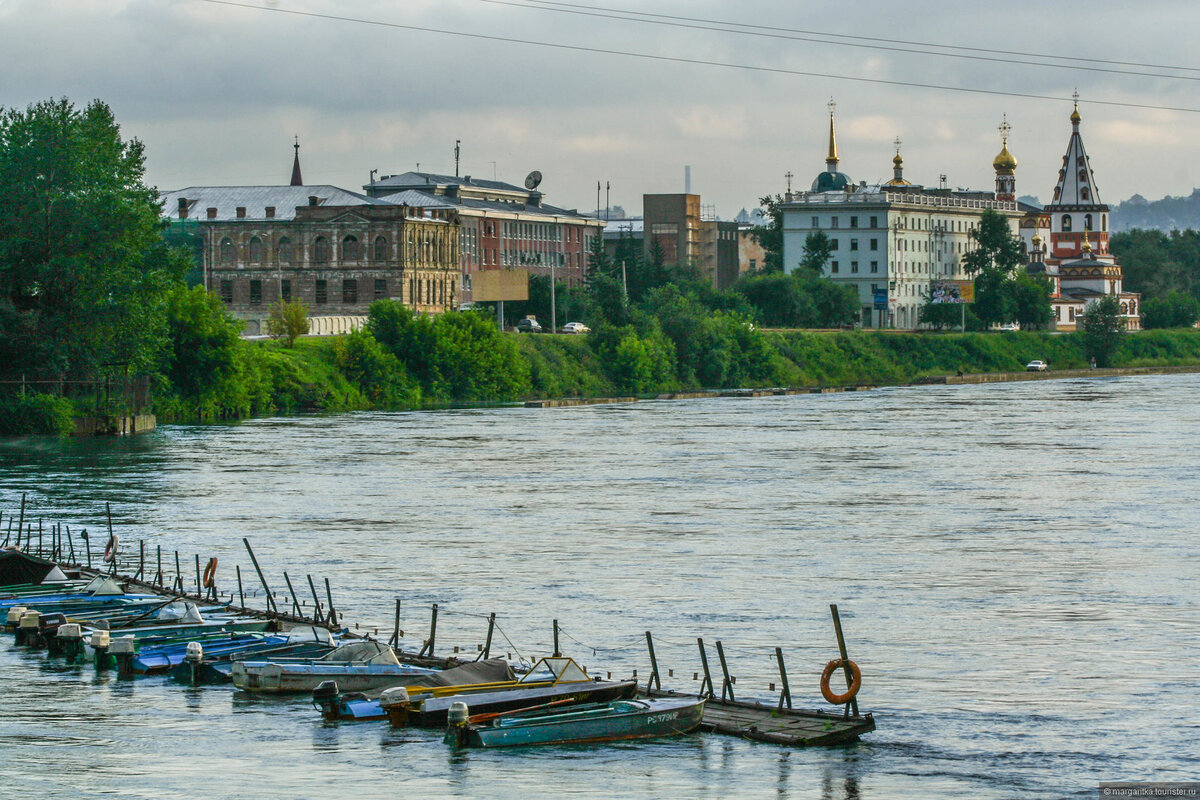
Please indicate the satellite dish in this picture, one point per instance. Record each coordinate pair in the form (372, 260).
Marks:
(532, 180)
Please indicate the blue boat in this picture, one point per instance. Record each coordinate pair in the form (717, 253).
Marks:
(361, 666)
(618, 720)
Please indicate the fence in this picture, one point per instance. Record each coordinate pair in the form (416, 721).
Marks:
(114, 395)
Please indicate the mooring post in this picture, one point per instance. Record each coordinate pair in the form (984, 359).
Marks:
(653, 679)
(707, 675)
(177, 586)
(199, 585)
(395, 640)
(141, 559)
(87, 543)
(241, 595)
(21, 519)
(487, 645)
(71, 544)
(316, 600)
(428, 646)
(557, 654)
(329, 597)
(8, 534)
(727, 684)
(270, 600)
(158, 576)
(40, 551)
(786, 694)
(837, 627)
(295, 602)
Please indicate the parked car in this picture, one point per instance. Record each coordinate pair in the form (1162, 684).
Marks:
(529, 325)
(1037, 366)
(576, 327)
(1012, 326)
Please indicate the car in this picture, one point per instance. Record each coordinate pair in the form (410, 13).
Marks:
(1012, 326)
(529, 325)
(1037, 366)
(576, 327)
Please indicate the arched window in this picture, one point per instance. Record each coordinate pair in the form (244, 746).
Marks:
(351, 250)
(226, 250)
(256, 250)
(380, 248)
(1085, 194)
(1104, 222)
(285, 250)
(1087, 221)
(1066, 223)
(321, 250)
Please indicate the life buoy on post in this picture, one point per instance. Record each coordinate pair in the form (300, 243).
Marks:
(110, 550)
(210, 573)
(855, 681)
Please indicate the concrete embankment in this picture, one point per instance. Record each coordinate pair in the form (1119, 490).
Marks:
(1001, 377)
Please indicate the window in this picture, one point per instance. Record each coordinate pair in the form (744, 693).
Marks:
(854, 266)
(753, 264)
(256, 250)
(226, 250)
(227, 290)
(321, 251)
(854, 222)
(853, 242)
(285, 250)
(874, 222)
(351, 251)
(833, 267)
(285, 290)
(322, 292)
(256, 293)
(816, 222)
(380, 248)
(833, 244)
(1087, 221)
(1085, 194)
(833, 222)
(380, 288)
(874, 266)
(1066, 223)
(874, 244)
(350, 291)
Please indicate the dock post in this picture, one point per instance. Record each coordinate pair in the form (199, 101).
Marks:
(158, 576)
(295, 601)
(786, 694)
(199, 585)
(557, 654)
(141, 559)
(177, 586)
(270, 600)
(41, 552)
(487, 645)
(241, 595)
(432, 633)
(837, 627)
(71, 544)
(87, 543)
(21, 519)
(727, 684)
(8, 535)
(707, 675)
(329, 597)
(654, 678)
(108, 515)
(316, 600)
(395, 640)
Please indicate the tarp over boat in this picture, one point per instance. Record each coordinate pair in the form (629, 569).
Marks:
(491, 670)
(369, 652)
(17, 568)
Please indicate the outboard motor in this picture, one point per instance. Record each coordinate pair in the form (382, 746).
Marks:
(47, 635)
(14, 618)
(456, 723)
(99, 643)
(394, 702)
(124, 651)
(325, 697)
(193, 657)
(70, 642)
(27, 627)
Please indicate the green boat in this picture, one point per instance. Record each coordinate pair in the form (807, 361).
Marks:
(618, 720)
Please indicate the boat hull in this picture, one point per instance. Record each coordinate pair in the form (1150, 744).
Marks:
(275, 678)
(432, 712)
(612, 722)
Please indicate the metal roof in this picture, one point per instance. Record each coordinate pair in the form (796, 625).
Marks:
(256, 199)
(413, 180)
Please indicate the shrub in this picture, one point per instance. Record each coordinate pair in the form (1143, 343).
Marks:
(33, 412)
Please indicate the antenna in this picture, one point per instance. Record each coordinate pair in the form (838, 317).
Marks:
(533, 180)
(789, 177)
(457, 142)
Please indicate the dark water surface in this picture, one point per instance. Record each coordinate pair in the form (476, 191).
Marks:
(1016, 567)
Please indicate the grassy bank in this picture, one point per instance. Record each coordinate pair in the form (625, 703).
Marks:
(313, 376)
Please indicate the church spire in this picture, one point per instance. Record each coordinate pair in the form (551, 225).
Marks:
(831, 160)
(296, 179)
(1076, 185)
(1005, 165)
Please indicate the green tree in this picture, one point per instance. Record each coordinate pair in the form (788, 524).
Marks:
(608, 299)
(1031, 301)
(1176, 310)
(1102, 329)
(941, 315)
(598, 261)
(202, 342)
(288, 320)
(993, 262)
(84, 270)
(770, 235)
(817, 249)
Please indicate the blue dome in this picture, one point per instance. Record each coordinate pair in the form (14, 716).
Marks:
(831, 182)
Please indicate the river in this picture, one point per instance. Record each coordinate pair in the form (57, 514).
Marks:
(1015, 564)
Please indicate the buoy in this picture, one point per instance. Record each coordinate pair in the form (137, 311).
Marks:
(110, 550)
(855, 681)
(210, 573)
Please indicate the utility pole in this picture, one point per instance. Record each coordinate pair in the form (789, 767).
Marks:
(457, 142)
(597, 197)
(607, 189)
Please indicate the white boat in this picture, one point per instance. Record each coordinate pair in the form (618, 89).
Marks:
(361, 666)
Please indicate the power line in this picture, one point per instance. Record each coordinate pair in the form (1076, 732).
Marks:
(815, 37)
(874, 38)
(691, 61)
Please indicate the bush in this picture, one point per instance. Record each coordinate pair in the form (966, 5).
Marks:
(287, 321)
(379, 374)
(33, 412)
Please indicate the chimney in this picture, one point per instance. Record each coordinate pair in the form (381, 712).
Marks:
(312, 199)
(270, 212)
(183, 205)
(535, 198)
(241, 212)
(687, 179)
(212, 213)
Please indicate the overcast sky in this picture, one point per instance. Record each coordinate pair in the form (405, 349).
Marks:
(217, 92)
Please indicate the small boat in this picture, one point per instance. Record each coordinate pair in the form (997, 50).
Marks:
(614, 721)
(338, 705)
(551, 679)
(201, 665)
(361, 666)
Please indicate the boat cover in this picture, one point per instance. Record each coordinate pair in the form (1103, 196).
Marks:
(56, 575)
(369, 651)
(17, 568)
(491, 670)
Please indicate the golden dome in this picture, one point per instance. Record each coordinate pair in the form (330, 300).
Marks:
(897, 160)
(1075, 118)
(1004, 160)
(1037, 240)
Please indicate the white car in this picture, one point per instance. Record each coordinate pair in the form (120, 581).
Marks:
(575, 327)
(1037, 366)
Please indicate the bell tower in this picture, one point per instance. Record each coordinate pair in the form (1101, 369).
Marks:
(1005, 165)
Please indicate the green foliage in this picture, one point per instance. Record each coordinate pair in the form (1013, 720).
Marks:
(801, 299)
(1102, 328)
(32, 412)
(287, 321)
(83, 267)
(942, 315)
(376, 371)
(634, 363)
(817, 249)
(608, 300)
(1176, 310)
(1031, 300)
(770, 236)
(1156, 263)
(202, 337)
(996, 249)
(1003, 292)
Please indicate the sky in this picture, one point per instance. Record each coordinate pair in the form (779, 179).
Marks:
(217, 91)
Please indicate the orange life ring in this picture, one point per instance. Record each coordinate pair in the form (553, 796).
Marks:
(210, 573)
(855, 681)
(110, 550)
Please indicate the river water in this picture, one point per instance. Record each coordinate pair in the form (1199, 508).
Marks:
(1016, 568)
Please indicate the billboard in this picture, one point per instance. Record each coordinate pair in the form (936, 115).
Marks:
(881, 299)
(491, 285)
(952, 291)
